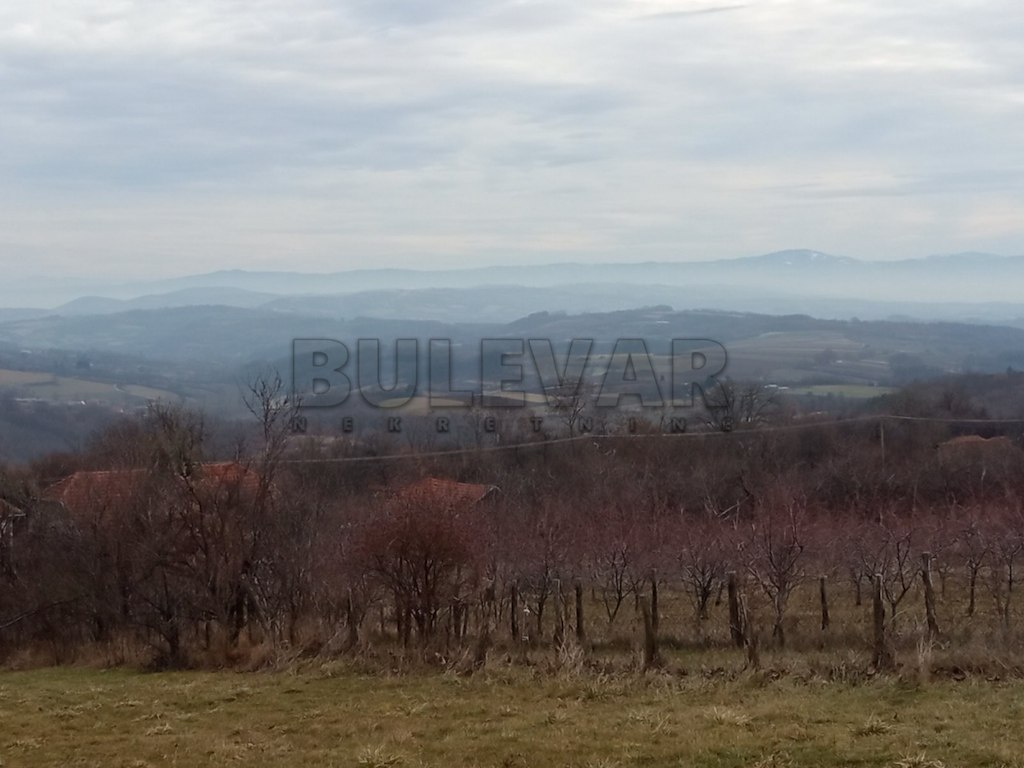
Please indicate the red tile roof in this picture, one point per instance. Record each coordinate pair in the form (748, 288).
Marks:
(977, 442)
(97, 492)
(447, 493)
(102, 491)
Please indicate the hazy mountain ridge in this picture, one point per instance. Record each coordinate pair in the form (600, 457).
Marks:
(185, 297)
(971, 277)
(505, 303)
(803, 272)
(215, 333)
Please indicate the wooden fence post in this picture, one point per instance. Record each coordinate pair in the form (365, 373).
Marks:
(882, 658)
(350, 620)
(651, 657)
(581, 632)
(514, 613)
(559, 599)
(735, 614)
(753, 642)
(655, 613)
(823, 593)
(929, 595)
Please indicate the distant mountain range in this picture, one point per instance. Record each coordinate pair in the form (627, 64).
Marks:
(965, 278)
(968, 287)
(968, 277)
(185, 297)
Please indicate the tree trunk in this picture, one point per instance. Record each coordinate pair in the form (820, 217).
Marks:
(778, 630)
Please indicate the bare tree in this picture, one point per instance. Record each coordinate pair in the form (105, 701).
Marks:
(776, 555)
(731, 404)
(703, 559)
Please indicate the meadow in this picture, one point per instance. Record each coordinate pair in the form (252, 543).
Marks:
(818, 702)
(48, 386)
(336, 715)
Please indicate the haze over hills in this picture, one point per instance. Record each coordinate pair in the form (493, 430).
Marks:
(236, 318)
(232, 338)
(190, 297)
(799, 319)
(978, 277)
(795, 318)
(504, 303)
(971, 278)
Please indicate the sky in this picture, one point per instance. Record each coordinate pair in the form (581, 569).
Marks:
(148, 139)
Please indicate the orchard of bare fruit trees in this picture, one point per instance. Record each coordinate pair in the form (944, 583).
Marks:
(152, 545)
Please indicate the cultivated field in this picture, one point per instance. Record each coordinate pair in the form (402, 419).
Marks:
(329, 716)
(853, 391)
(47, 386)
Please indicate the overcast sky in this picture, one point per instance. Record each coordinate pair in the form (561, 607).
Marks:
(159, 138)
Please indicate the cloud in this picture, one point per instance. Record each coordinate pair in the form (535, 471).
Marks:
(668, 15)
(152, 138)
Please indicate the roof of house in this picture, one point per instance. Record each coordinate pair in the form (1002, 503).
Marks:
(106, 488)
(970, 450)
(448, 493)
(97, 491)
(1000, 442)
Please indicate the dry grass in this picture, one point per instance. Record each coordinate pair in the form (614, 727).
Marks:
(954, 702)
(335, 716)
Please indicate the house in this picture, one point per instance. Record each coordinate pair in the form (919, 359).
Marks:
(975, 450)
(436, 492)
(94, 495)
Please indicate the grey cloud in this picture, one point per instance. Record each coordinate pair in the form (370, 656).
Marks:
(508, 127)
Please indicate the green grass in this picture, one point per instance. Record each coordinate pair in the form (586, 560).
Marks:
(336, 717)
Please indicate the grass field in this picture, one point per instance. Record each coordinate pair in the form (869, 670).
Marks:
(853, 391)
(48, 386)
(330, 716)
